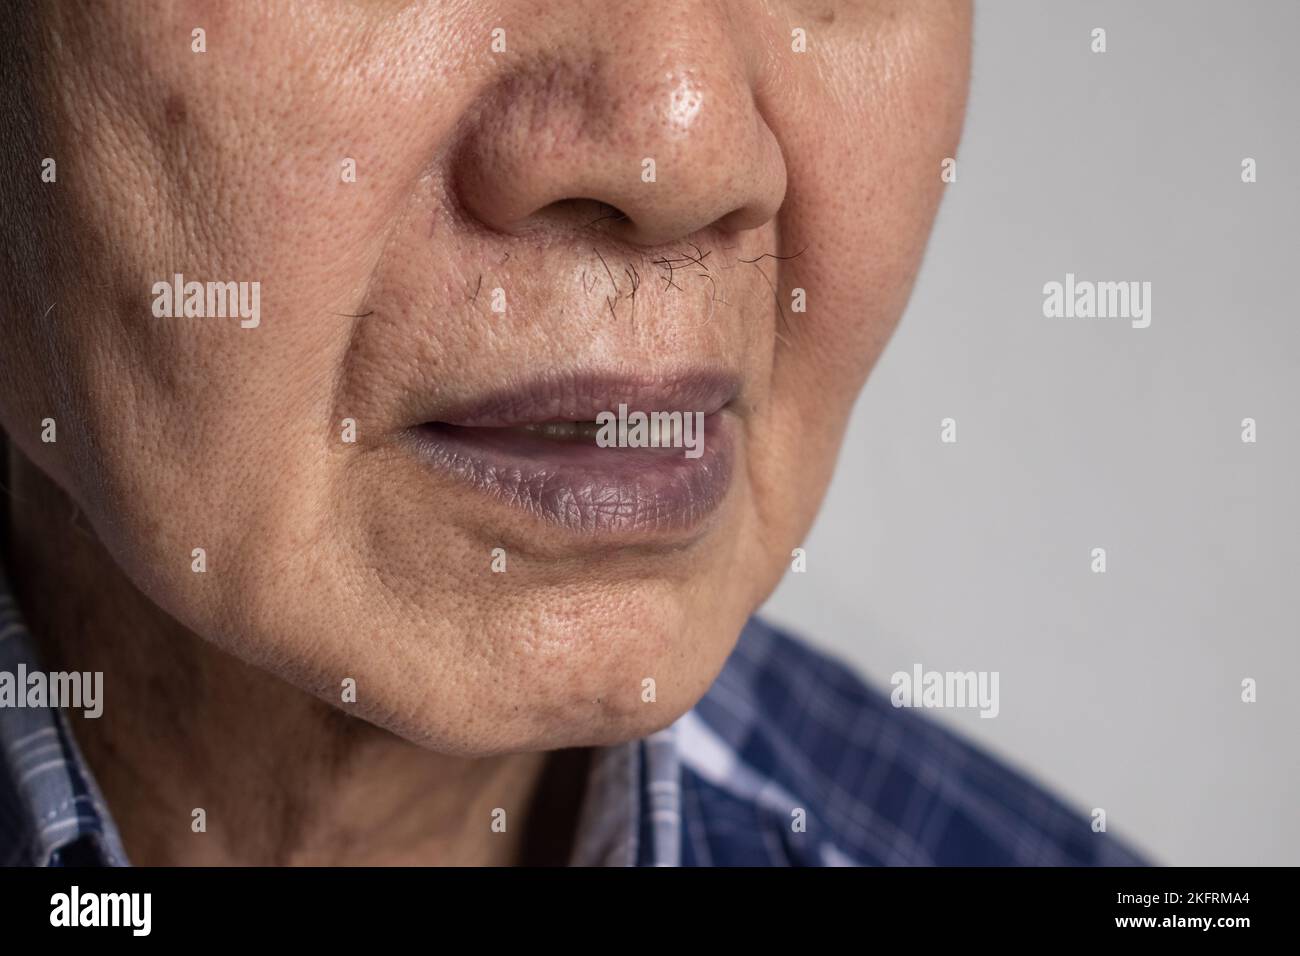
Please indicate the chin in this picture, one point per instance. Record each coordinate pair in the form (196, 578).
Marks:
(586, 662)
(596, 679)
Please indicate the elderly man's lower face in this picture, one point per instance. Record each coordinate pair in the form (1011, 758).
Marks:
(319, 318)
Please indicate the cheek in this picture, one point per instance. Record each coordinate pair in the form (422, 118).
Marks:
(173, 428)
(864, 148)
(867, 200)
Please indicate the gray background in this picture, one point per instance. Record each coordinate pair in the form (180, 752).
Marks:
(1119, 690)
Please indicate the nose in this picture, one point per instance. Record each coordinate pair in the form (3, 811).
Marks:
(657, 121)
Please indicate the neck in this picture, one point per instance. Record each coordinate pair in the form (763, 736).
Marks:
(281, 777)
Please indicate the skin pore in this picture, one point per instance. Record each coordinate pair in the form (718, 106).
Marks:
(480, 177)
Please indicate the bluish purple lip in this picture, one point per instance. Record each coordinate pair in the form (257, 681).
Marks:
(574, 483)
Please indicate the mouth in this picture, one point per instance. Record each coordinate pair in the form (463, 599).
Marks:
(594, 454)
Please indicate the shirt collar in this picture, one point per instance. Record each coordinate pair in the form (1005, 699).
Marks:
(631, 814)
(51, 810)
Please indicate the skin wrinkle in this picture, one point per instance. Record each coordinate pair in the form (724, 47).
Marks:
(475, 171)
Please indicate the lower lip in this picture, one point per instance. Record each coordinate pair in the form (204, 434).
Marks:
(583, 487)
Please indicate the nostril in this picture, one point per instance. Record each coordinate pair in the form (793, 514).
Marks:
(607, 213)
(579, 214)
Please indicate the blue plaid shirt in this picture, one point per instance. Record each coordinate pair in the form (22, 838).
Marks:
(789, 760)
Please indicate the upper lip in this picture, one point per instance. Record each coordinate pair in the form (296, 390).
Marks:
(581, 396)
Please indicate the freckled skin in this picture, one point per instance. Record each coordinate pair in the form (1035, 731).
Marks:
(519, 171)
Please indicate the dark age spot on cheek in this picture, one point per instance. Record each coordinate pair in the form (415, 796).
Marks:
(132, 304)
(174, 110)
